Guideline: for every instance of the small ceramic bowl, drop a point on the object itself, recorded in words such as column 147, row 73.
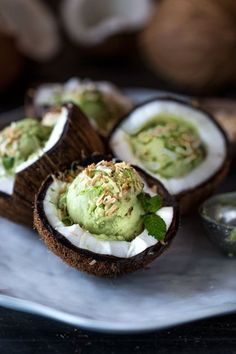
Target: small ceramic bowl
column 218, row 214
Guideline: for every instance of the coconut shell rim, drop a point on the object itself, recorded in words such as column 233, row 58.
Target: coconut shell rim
column 30, row 94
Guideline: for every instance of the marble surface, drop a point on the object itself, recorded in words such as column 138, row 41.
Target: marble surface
column 191, row 280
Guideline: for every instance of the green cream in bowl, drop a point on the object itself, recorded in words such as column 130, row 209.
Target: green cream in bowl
column 20, row 141
column 23, row 142
column 102, row 102
column 173, row 141
column 104, row 198
column 168, row 146
column 107, row 208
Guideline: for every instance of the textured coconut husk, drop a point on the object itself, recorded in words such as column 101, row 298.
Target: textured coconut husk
column 98, row 264
column 190, row 199
column 77, row 141
column 191, row 43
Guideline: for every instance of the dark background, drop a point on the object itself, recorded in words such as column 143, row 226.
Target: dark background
column 124, row 72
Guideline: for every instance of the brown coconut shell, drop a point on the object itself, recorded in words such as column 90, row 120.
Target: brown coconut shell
column 192, row 44
column 100, row 264
column 190, row 199
column 77, row 141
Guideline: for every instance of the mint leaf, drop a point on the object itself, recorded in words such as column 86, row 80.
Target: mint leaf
column 8, row 162
column 155, row 226
column 150, row 204
column 155, row 203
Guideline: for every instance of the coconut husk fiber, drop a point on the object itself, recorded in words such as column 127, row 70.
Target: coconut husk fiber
column 192, row 44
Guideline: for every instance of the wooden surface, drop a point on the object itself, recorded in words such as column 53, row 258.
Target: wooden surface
column 26, row 334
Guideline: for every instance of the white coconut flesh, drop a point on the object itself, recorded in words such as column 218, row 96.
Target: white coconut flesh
column 211, row 137
column 45, row 94
column 83, row 239
column 7, row 182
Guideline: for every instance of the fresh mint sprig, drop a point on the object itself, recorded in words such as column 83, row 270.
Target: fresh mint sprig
column 153, row 223
column 8, row 162
column 155, row 226
column 150, row 204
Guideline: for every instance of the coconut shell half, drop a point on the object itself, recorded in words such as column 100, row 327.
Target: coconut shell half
column 188, row 198
column 101, row 264
column 78, row 140
column 38, row 101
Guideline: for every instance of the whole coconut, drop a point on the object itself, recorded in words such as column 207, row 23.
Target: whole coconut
column 192, row 43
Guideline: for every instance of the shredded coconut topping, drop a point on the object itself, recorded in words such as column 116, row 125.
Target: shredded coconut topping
column 115, row 181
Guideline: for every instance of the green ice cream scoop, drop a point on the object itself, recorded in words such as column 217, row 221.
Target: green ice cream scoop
column 92, row 104
column 168, row 146
column 20, row 140
column 101, row 108
column 103, row 200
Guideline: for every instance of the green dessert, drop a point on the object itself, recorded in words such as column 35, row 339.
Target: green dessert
column 101, row 108
column 107, row 199
column 168, row 146
column 20, row 141
column 105, row 217
column 101, row 102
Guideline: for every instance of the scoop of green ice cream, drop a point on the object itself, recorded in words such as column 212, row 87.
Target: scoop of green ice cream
column 20, row 140
column 92, row 104
column 101, row 108
column 168, row 146
column 103, row 200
